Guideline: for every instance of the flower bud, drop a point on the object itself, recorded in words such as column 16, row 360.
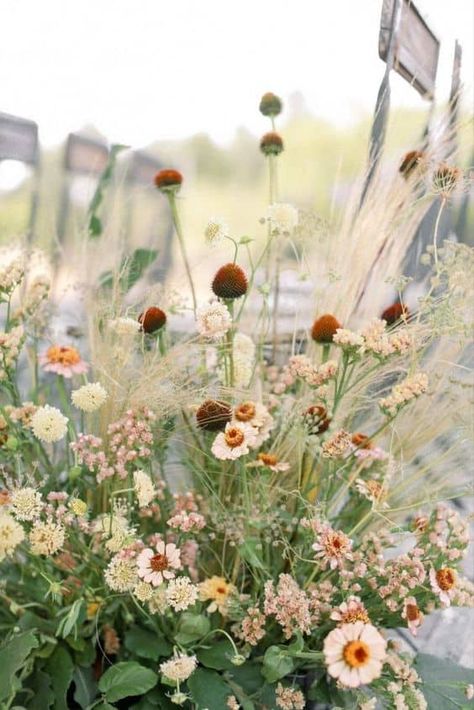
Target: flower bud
column 152, row 319
column 168, row 180
column 271, row 144
column 270, row 104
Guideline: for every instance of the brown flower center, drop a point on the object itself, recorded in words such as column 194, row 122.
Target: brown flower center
column 63, row 355
column 446, row 578
column 234, row 437
column 412, row 612
column 221, row 590
column 159, row 562
column 268, row 459
column 356, row 654
column 245, row 411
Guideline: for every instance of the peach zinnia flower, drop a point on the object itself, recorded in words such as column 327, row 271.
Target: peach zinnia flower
column 350, row 611
column 217, row 590
column 234, row 441
column 333, row 546
column 443, row 583
column 63, row 360
column 155, row 567
column 354, row 654
column 412, row 614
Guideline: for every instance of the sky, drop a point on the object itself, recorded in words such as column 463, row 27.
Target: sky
column 141, row 70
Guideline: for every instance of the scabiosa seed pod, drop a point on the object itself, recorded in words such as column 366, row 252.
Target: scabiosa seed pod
column 394, row 313
column 316, row 419
column 445, row 178
column 168, row 179
column 324, row 328
column 213, row 415
column 271, row 144
column 270, row 104
column 230, row 282
column 410, row 162
column 152, row 319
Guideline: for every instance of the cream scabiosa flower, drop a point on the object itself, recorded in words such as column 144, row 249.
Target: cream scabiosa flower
column 26, row 503
column 46, row 538
column 213, row 320
column 181, row 593
column 179, row 668
column 283, row 218
column 89, row 397
column 121, row 574
column 49, row 424
column 124, row 326
column 11, row 535
column 354, row 654
column 144, row 488
column 156, row 567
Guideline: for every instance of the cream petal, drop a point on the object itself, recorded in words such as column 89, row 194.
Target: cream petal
column 337, row 668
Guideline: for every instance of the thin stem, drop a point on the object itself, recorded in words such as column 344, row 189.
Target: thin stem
column 179, row 232
column 435, row 235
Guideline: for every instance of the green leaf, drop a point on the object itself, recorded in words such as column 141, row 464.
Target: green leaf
column 147, row 644
column 248, row 552
column 443, row 682
column 95, row 224
column 208, row 689
column 139, row 261
column 13, row 654
column 192, row 627
column 217, row 656
column 276, row 664
column 61, row 668
column 86, row 686
column 125, row 679
column 43, row 695
column 69, row 623
column 104, row 706
column 248, row 676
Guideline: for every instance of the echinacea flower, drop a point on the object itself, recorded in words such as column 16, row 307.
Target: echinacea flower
column 217, row 590
column 179, row 667
column 316, row 419
column 152, row 319
column 354, row 654
column 333, row 547
column 156, row 567
column 271, row 143
column 89, row 397
column 63, row 360
column 411, row 161
column 213, row 320
column 270, row 104
column 324, row 328
column 230, row 282
column 234, row 441
column 412, row 614
column 443, row 583
column 168, row 179
column 350, row 611
column 213, row 415
column 49, row 424
column 394, row 313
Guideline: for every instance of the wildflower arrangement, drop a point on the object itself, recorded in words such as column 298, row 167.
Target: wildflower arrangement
column 234, row 518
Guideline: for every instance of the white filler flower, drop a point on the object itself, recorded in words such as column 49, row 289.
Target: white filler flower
column 49, row 424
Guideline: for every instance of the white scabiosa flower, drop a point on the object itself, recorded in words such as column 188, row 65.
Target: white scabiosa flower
column 354, row 654
column 213, row 320
column 89, row 397
column 181, row 593
column 144, row 489
column 283, row 218
column 46, row 538
column 26, row 503
column 49, row 424
column 179, row 668
column 124, row 326
column 143, row 591
column 216, row 230
column 121, row 574
column 11, row 535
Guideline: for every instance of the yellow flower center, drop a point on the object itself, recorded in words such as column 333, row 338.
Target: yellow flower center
column 245, row 411
column 63, row 355
column 446, row 578
column 234, row 437
column 158, row 563
column 350, row 617
column 356, row 654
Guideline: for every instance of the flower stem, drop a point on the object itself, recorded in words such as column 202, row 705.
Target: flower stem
column 179, row 232
column 436, row 229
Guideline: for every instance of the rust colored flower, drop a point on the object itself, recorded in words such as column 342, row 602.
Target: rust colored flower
column 168, row 179
column 213, row 415
column 245, row 411
column 324, row 328
column 230, row 282
column 152, row 319
column 111, row 640
column 270, row 104
column 271, row 143
column 394, row 313
column 362, row 441
column 410, row 162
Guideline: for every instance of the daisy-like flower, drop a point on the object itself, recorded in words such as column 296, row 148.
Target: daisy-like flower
column 11, row 535
column 179, row 668
column 144, row 488
column 63, row 360
column 49, row 424
column 333, row 547
column 412, row 614
column 89, row 397
column 156, row 567
column 26, row 503
column 234, row 441
column 46, row 538
column 213, row 320
column 443, row 583
column 283, row 218
column 181, row 593
column 350, row 611
column 121, row 574
column 354, row 654
column 258, row 416
column 216, row 230
column 218, row 591
column 270, row 461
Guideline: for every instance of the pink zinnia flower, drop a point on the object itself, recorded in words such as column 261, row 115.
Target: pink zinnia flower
column 63, row 360
column 350, row 611
column 155, row 567
column 333, row 546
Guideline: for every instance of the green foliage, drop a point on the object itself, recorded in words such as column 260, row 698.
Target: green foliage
column 217, row 655
column 95, row 223
column 131, row 269
column 444, row 682
column 192, row 627
column 126, row 679
column 276, row 663
column 60, row 667
column 14, row 653
column 146, row 644
column 86, row 686
column 209, row 689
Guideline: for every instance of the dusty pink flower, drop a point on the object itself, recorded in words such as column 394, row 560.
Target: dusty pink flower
column 333, row 547
column 187, row 522
column 252, row 627
column 350, row 611
column 289, row 604
column 156, row 567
